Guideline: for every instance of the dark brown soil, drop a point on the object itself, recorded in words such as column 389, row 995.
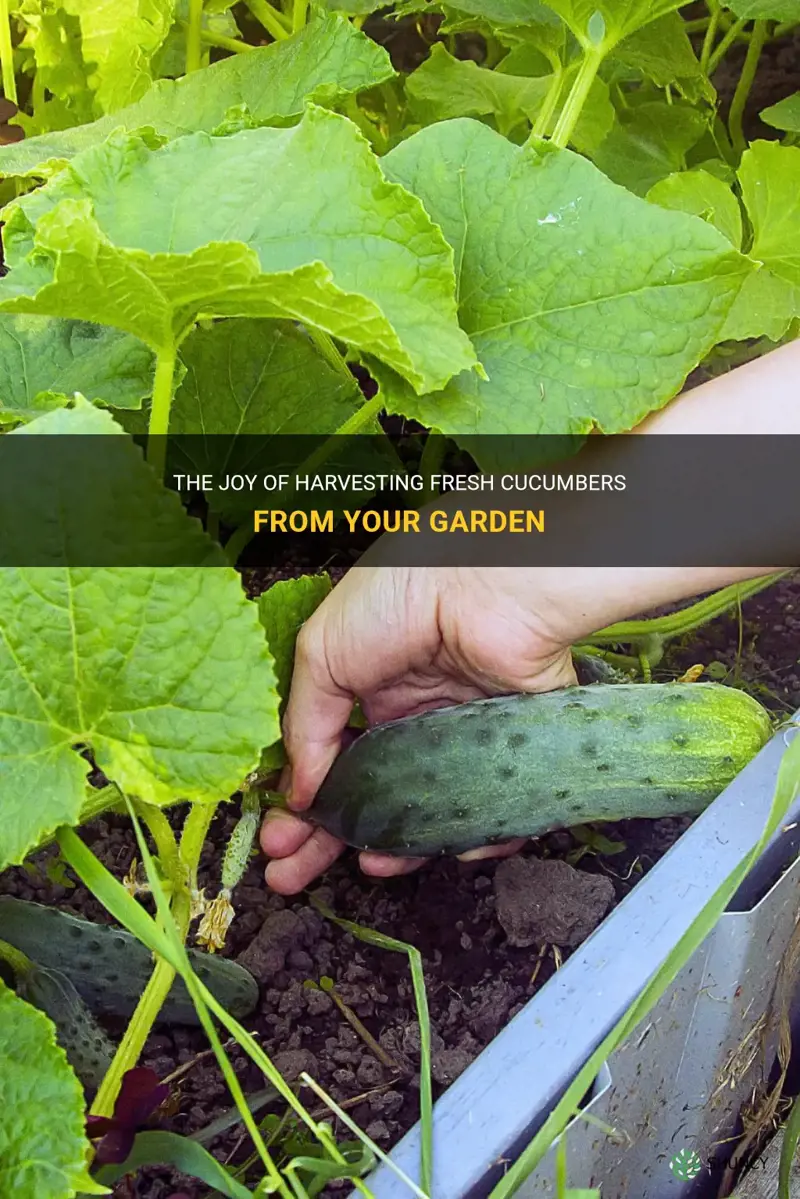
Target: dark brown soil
column 476, row 978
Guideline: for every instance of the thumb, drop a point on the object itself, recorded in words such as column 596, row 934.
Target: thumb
column 316, row 716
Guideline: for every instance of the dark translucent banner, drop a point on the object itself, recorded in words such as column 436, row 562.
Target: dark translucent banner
column 77, row 500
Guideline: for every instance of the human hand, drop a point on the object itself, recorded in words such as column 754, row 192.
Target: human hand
column 404, row 640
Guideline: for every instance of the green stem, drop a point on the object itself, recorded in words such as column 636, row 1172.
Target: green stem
column 194, row 54
column 545, row 114
column 688, row 619
column 576, row 99
column 195, row 831
column 225, row 43
column 239, row 540
column 299, row 11
column 16, row 959
column 183, row 873
column 164, row 838
column 273, row 21
column 724, row 46
column 159, row 413
column 7, row 54
column 708, row 40
column 141, row 1022
column 757, row 39
column 781, row 30
column 327, row 348
column 37, row 94
column 697, row 25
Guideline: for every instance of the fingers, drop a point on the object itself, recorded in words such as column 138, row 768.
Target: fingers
column 316, row 716
column 291, row 874
column 506, row 850
column 381, row 865
column 282, row 834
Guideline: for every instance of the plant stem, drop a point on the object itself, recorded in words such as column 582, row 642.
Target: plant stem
column 7, row 54
column 327, row 348
column 687, row 619
column 781, row 30
column 159, row 413
column 757, row 39
column 182, row 871
column 299, row 11
column 239, row 540
column 141, row 1022
column 194, row 29
column 576, row 99
column 267, row 15
column 225, row 43
column 708, row 40
column 164, row 838
column 725, row 44
column 545, row 114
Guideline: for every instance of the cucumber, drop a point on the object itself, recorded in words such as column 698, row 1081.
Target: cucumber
column 456, row 778
column 88, row 1049
column 110, row 968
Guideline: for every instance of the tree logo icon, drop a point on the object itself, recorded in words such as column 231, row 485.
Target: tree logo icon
column 686, row 1165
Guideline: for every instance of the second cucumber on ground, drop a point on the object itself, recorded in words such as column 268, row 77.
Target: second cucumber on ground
column 483, row 772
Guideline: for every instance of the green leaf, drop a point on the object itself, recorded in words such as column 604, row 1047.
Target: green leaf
column 587, row 305
column 147, row 240
column 769, row 177
column 703, row 195
column 620, row 18
column 43, row 361
column 326, row 62
column 170, row 1149
column 283, row 610
column 51, row 47
column 119, row 39
column 250, row 377
column 648, row 143
column 663, row 53
column 257, row 379
column 444, row 87
column 42, row 1122
column 163, row 672
column 758, row 10
column 784, row 115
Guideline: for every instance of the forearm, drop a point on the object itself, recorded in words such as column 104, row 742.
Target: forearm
column 761, row 397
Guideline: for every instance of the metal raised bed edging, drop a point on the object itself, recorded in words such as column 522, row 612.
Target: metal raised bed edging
column 491, row 1112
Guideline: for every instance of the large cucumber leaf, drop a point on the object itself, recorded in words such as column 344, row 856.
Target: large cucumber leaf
column 43, row 360
column 44, row 1146
column 587, row 305
column 147, row 240
column 769, row 177
column 162, row 672
column 326, row 62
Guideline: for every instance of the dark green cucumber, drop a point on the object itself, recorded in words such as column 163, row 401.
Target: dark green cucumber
column 88, row 1049
column 483, row 772
column 110, row 968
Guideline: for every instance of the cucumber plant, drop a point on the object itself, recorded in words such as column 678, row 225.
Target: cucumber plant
column 330, row 192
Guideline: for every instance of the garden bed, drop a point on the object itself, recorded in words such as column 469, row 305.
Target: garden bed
column 476, row 980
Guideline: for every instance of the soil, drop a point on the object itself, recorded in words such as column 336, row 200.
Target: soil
column 481, row 964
